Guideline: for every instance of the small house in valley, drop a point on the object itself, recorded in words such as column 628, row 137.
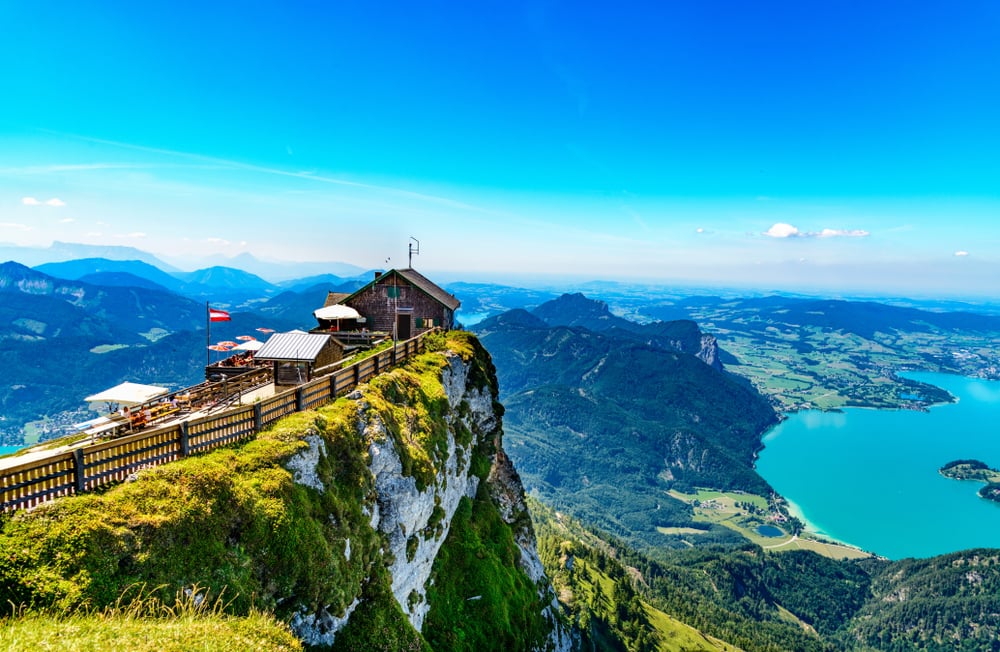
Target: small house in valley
column 298, row 357
column 401, row 302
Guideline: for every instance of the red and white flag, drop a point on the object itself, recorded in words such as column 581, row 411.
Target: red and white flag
column 217, row 315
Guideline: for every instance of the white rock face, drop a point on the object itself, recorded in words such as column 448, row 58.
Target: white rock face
column 320, row 628
column 303, row 464
column 404, row 513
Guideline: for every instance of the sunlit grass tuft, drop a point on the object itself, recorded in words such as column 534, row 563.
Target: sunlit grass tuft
column 139, row 620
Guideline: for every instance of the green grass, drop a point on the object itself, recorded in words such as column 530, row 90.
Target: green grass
column 480, row 598
column 145, row 623
column 33, row 432
column 107, row 348
column 721, row 508
column 368, row 353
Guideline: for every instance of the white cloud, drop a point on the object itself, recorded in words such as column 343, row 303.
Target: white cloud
column 961, row 253
column 841, row 233
column 133, row 235
column 14, row 225
column 220, row 241
column 55, row 202
column 66, row 220
column 782, row 230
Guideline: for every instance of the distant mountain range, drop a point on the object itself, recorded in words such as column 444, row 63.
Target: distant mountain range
column 223, row 286
column 864, row 318
column 91, row 323
column 275, row 271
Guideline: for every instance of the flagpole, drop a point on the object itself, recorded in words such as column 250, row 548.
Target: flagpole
column 208, row 334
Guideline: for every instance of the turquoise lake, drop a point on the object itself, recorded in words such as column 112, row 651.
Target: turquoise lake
column 869, row 477
column 5, row 450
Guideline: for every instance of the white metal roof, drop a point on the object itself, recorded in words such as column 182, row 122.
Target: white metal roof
column 295, row 345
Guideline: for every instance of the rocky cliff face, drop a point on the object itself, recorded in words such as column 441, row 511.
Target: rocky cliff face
column 416, row 521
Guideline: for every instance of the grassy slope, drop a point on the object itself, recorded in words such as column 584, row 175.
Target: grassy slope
column 233, row 522
column 96, row 633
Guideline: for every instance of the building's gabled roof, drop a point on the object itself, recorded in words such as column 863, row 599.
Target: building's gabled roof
column 419, row 281
column 296, row 345
column 425, row 284
column 333, row 298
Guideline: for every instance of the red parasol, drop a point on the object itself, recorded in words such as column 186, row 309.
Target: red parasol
column 228, row 344
column 217, row 347
column 245, row 338
column 266, row 330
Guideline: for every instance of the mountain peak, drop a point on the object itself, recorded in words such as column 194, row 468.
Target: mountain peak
column 576, row 310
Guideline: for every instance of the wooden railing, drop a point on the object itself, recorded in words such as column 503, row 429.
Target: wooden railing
column 89, row 467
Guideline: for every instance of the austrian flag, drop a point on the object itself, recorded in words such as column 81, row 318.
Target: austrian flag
column 217, row 315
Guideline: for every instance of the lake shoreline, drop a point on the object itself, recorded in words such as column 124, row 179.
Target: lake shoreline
column 868, row 478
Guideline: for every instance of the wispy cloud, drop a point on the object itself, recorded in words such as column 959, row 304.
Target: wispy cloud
column 961, row 253
column 784, row 230
column 842, row 233
column 135, row 235
column 67, row 220
column 14, row 226
column 219, row 241
column 238, row 165
column 55, row 202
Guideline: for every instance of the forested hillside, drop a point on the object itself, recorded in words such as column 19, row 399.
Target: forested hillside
column 602, row 423
column 770, row 602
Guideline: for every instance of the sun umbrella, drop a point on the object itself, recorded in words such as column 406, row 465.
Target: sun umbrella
column 217, row 347
column 266, row 330
column 245, row 338
column 228, row 344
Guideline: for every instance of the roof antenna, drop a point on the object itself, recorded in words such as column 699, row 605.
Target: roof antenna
column 414, row 250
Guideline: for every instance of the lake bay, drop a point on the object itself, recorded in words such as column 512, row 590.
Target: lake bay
column 869, row 477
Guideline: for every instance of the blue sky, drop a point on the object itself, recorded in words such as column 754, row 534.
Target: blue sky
column 774, row 144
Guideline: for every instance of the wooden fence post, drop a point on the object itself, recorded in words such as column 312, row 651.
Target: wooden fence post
column 333, row 385
column 299, row 401
column 258, row 418
column 185, row 443
column 79, row 471
column 357, row 374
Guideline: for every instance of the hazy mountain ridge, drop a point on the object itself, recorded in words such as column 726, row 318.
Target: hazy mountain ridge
column 136, row 309
column 77, row 269
column 864, row 318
